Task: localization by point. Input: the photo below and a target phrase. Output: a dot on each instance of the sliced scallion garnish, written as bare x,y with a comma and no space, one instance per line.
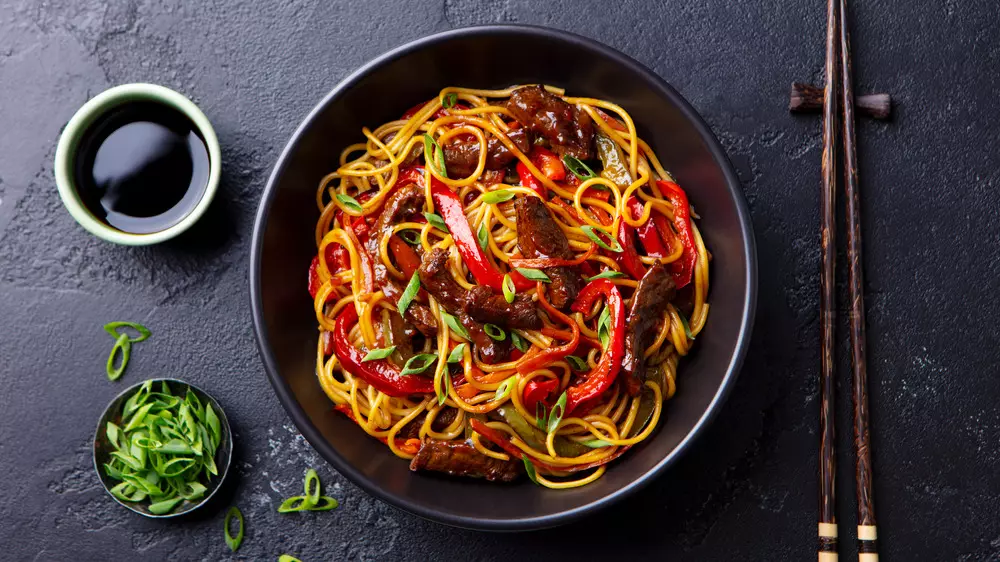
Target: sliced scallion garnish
602,238
498,196
436,221
454,325
313,500
349,203
495,332
579,169
533,274
609,274
449,100
595,443
409,236
604,327
410,293
112,328
509,291
456,354
482,236
520,343
530,469
577,363
556,414
123,346
503,391
433,153
687,327
381,353
418,364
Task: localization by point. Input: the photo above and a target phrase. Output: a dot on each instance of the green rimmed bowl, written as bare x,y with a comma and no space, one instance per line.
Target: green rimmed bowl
103,448
99,106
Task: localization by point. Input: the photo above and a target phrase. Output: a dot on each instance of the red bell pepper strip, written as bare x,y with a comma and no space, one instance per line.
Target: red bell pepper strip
682,269
453,213
546,357
530,181
628,258
406,257
408,446
549,164
380,373
535,392
601,378
648,234
337,259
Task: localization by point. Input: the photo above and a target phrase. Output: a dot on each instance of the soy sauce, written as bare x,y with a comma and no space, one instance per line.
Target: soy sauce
142,167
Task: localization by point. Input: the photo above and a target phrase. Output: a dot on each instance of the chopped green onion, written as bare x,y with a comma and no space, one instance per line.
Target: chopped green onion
454,325
349,203
482,236
578,168
687,327
520,343
494,332
410,293
509,291
577,363
498,196
457,354
598,235
595,443
112,328
165,448
541,416
433,153
311,486
288,558
436,221
380,353
530,469
533,274
503,391
609,274
555,416
449,100
409,236
124,346
604,327
294,503
164,506
234,542
442,390
418,364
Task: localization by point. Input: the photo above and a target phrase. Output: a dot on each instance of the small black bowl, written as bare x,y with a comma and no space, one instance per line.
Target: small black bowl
495,57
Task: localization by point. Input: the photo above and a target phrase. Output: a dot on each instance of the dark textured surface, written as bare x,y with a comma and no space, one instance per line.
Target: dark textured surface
746,491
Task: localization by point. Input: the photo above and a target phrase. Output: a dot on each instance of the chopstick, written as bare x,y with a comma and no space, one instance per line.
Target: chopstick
867,534
827,459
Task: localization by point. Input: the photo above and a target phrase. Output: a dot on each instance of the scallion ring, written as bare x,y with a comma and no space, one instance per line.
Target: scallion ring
409,236
509,291
498,196
434,153
495,332
533,274
456,354
556,414
577,363
112,328
454,325
381,353
436,221
233,542
609,274
529,469
520,343
311,487
482,236
418,364
449,99
123,346
503,391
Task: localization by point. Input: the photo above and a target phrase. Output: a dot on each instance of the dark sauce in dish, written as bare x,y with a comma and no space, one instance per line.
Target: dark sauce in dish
142,168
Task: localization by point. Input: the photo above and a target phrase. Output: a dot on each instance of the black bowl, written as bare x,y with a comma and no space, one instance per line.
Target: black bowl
495,57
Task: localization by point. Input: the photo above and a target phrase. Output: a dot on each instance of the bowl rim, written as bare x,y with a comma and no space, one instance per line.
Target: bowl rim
312,433
226,445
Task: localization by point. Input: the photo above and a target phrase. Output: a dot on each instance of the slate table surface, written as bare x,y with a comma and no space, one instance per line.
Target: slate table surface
746,491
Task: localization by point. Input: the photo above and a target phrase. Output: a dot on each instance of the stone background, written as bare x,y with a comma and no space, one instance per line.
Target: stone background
746,491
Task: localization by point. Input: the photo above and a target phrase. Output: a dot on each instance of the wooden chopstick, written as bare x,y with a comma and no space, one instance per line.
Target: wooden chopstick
867,534
828,243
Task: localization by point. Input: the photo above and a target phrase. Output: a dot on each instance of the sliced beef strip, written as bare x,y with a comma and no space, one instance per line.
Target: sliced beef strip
460,458
462,157
655,290
435,278
405,201
568,129
486,306
538,236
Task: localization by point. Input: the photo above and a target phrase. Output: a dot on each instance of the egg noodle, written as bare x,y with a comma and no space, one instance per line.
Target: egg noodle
374,167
